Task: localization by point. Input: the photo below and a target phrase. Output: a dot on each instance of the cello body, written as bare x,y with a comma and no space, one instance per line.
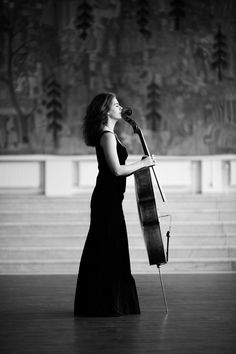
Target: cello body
146,204
148,216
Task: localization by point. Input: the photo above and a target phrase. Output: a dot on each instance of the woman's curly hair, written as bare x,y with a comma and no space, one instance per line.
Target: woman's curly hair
96,116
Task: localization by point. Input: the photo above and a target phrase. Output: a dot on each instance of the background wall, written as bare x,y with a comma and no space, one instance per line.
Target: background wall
173,62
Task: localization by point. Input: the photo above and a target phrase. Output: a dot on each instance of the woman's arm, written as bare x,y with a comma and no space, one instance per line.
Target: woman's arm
108,143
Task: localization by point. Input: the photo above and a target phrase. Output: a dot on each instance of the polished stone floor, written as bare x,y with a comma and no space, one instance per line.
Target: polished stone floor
36,316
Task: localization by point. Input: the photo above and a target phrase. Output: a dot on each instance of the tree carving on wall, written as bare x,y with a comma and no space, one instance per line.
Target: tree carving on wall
219,55
19,31
153,104
26,42
84,18
177,12
54,107
143,17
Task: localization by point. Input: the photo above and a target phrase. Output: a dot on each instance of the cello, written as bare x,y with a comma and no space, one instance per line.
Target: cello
148,214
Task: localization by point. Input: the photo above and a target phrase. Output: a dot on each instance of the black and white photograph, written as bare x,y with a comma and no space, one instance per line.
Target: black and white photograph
117,176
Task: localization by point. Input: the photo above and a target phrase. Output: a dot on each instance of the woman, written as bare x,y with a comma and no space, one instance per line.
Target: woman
105,286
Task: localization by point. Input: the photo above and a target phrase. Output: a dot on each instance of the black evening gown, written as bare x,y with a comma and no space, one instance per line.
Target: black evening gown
105,285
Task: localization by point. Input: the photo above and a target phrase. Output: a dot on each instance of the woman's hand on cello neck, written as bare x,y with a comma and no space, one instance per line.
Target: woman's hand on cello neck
148,161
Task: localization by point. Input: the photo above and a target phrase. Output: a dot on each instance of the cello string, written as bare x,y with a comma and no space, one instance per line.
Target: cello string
168,214
164,200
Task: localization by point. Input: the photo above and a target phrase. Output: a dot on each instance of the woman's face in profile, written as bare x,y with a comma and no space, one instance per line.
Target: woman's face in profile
115,110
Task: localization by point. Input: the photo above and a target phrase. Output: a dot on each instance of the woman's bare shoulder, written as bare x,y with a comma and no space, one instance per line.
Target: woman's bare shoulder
107,138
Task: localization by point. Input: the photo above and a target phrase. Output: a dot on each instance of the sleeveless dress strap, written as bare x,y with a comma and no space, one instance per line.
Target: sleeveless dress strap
103,132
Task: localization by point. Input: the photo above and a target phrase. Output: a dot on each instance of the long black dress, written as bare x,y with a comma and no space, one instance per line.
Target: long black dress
105,285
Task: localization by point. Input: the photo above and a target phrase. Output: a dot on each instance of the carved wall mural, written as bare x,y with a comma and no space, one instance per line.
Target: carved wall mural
173,62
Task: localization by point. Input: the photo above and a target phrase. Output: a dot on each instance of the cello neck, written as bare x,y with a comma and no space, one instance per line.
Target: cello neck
138,131
143,142
147,152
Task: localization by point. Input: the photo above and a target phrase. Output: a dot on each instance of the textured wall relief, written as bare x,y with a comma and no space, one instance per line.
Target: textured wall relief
221,129
174,62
